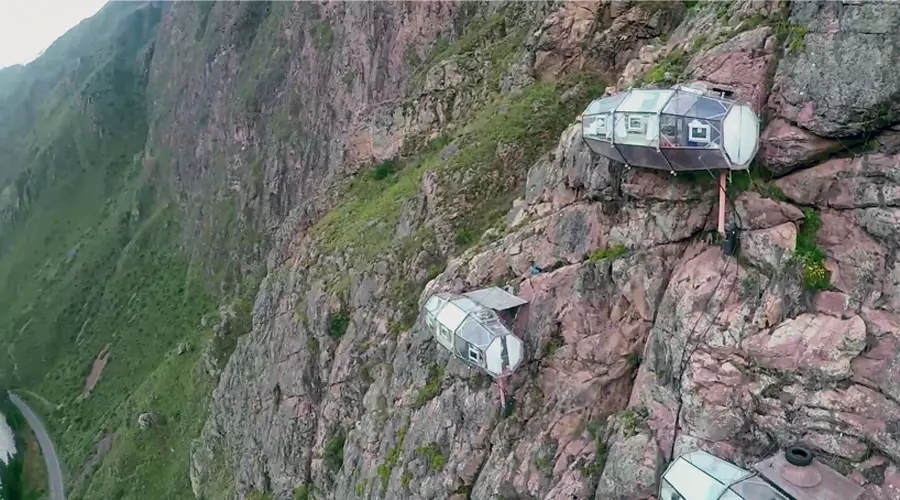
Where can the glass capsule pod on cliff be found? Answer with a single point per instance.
(684, 128)
(794, 474)
(471, 326)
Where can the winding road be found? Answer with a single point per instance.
(54, 472)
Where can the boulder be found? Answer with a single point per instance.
(210, 358)
(784, 147)
(837, 304)
(756, 212)
(879, 478)
(768, 248)
(855, 259)
(883, 223)
(661, 186)
(866, 181)
(626, 26)
(146, 420)
(879, 366)
(573, 172)
(822, 346)
(889, 140)
(632, 472)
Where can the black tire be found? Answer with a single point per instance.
(799, 456)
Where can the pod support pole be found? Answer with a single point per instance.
(722, 203)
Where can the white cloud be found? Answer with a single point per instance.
(27, 27)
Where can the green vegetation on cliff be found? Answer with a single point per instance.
(527, 122)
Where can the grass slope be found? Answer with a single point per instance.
(89, 259)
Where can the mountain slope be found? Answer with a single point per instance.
(88, 261)
(218, 220)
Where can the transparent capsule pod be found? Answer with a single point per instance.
(679, 129)
(699, 475)
(470, 327)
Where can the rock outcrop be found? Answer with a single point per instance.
(824, 45)
(146, 420)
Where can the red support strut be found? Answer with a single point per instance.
(501, 384)
(722, 203)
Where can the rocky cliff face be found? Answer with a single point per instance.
(644, 340)
(339, 162)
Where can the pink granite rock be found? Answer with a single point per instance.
(562, 38)
(820, 345)
(834, 304)
(655, 185)
(573, 172)
(739, 65)
(784, 147)
(855, 259)
(867, 181)
(767, 249)
(879, 366)
(756, 212)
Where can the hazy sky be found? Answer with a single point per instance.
(29, 26)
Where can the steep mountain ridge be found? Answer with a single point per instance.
(317, 169)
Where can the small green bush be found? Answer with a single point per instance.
(545, 458)
(632, 420)
(758, 179)
(669, 70)
(698, 43)
(432, 387)
(634, 360)
(384, 170)
(334, 451)
(404, 481)
(723, 10)
(797, 37)
(815, 276)
(433, 456)
(323, 36)
(301, 492)
(384, 474)
(464, 237)
(338, 324)
(750, 287)
(384, 470)
(753, 22)
(595, 469)
(434, 271)
(608, 254)
(348, 78)
(510, 408)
